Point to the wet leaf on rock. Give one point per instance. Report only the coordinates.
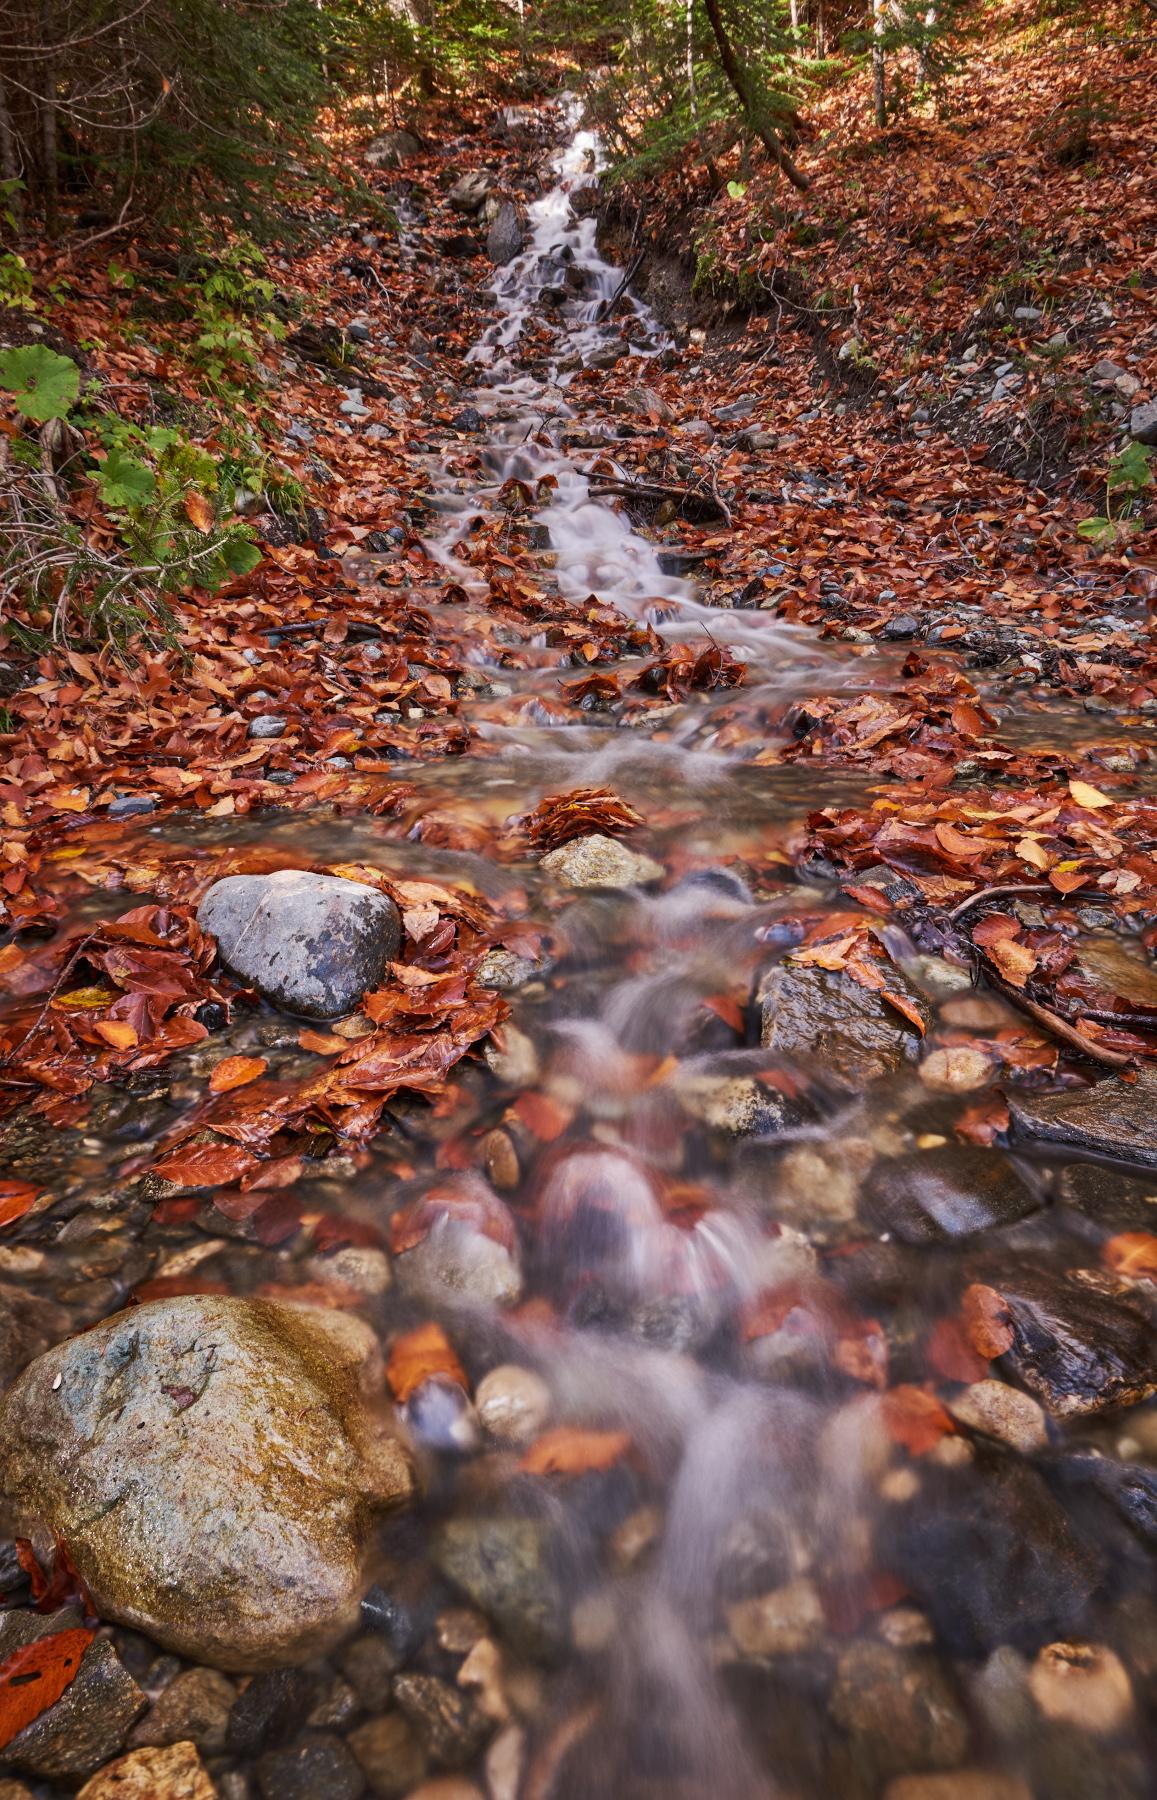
(34, 1677)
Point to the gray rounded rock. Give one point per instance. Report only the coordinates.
(214, 1466)
(313, 944)
(504, 239)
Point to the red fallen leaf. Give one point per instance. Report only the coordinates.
(729, 1010)
(994, 929)
(952, 1355)
(904, 1005)
(849, 1602)
(986, 1320)
(1132, 1253)
(116, 1032)
(560, 817)
(1066, 881)
(60, 1586)
(957, 844)
(569, 1451)
(1014, 960)
(325, 1043)
(34, 1677)
(465, 1198)
(236, 1071)
(545, 1117)
(422, 1355)
(174, 1287)
(915, 1419)
(981, 1122)
(967, 720)
(206, 1165)
(332, 1232)
(17, 1198)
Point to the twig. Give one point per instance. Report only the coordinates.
(653, 490)
(1044, 1015)
(1003, 893)
(632, 270)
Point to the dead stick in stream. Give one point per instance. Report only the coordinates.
(629, 274)
(653, 490)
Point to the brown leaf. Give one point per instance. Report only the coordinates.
(986, 1320)
(236, 1071)
(419, 1356)
(17, 1198)
(206, 1165)
(915, 1419)
(1132, 1253)
(567, 1450)
(199, 511)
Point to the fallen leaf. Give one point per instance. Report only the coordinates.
(567, 1450)
(1132, 1253)
(34, 1677)
(419, 1356)
(117, 1032)
(17, 1198)
(1089, 797)
(915, 1419)
(236, 1071)
(986, 1320)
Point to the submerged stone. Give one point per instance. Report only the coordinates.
(827, 1017)
(214, 1466)
(1078, 1350)
(1112, 1118)
(312, 944)
(503, 1565)
(596, 861)
(954, 1192)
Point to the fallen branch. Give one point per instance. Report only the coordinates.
(1044, 1015)
(711, 505)
(1011, 891)
(631, 271)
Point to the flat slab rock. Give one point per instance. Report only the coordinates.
(826, 1016)
(312, 944)
(1079, 1351)
(90, 1721)
(1113, 1118)
(214, 1466)
(944, 1195)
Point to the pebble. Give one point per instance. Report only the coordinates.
(267, 725)
(389, 1755)
(899, 1708)
(317, 1764)
(786, 1622)
(956, 1070)
(513, 1404)
(1084, 1685)
(596, 861)
(1002, 1412)
(195, 1706)
(172, 1772)
(449, 1725)
(129, 806)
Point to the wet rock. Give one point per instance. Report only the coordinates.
(469, 419)
(513, 1404)
(504, 239)
(267, 1711)
(502, 1564)
(456, 1258)
(504, 970)
(786, 1622)
(847, 1029)
(389, 1755)
(900, 1710)
(29, 1325)
(369, 1664)
(963, 1784)
(990, 1555)
(1079, 1351)
(451, 1728)
(213, 1465)
(469, 193)
(596, 861)
(1113, 1118)
(1002, 1412)
(196, 1706)
(738, 1105)
(312, 944)
(174, 1772)
(1085, 1685)
(317, 1764)
(131, 806)
(392, 149)
(1107, 1200)
(1110, 1495)
(92, 1718)
(946, 1194)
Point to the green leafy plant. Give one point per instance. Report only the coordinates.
(43, 384)
(16, 283)
(1128, 479)
(234, 306)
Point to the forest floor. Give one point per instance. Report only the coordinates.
(772, 604)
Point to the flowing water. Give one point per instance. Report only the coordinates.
(776, 1589)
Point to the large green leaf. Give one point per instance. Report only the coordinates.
(43, 384)
(125, 482)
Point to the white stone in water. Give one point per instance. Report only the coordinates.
(785, 1622)
(1002, 1412)
(1083, 1685)
(513, 1403)
(958, 1069)
(456, 1258)
(597, 861)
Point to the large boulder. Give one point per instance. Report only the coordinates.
(213, 1466)
(504, 239)
(826, 1016)
(28, 1325)
(312, 944)
(392, 149)
(468, 195)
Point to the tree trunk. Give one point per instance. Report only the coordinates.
(753, 113)
(878, 95)
(691, 94)
(48, 150)
(821, 30)
(9, 163)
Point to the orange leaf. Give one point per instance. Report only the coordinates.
(34, 1677)
(199, 511)
(915, 1419)
(1132, 1253)
(956, 844)
(906, 1006)
(570, 1451)
(952, 1355)
(117, 1032)
(1066, 881)
(546, 1118)
(236, 1071)
(419, 1356)
(1015, 960)
(325, 1043)
(986, 1320)
(17, 1198)
(1090, 798)
(206, 1165)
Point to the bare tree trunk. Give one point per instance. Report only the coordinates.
(923, 60)
(48, 144)
(9, 162)
(755, 114)
(821, 29)
(878, 95)
(691, 94)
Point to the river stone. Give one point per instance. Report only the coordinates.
(825, 1015)
(268, 1711)
(469, 193)
(990, 1555)
(311, 944)
(1079, 1351)
(449, 1724)
(956, 1191)
(596, 861)
(194, 1707)
(29, 1325)
(504, 239)
(318, 1764)
(175, 1772)
(391, 1758)
(1143, 423)
(1112, 1118)
(392, 149)
(899, 1708)
(213, 1466)
(502, 1564)
(961, 1784)
(90, 1721)
(1106, 1201)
